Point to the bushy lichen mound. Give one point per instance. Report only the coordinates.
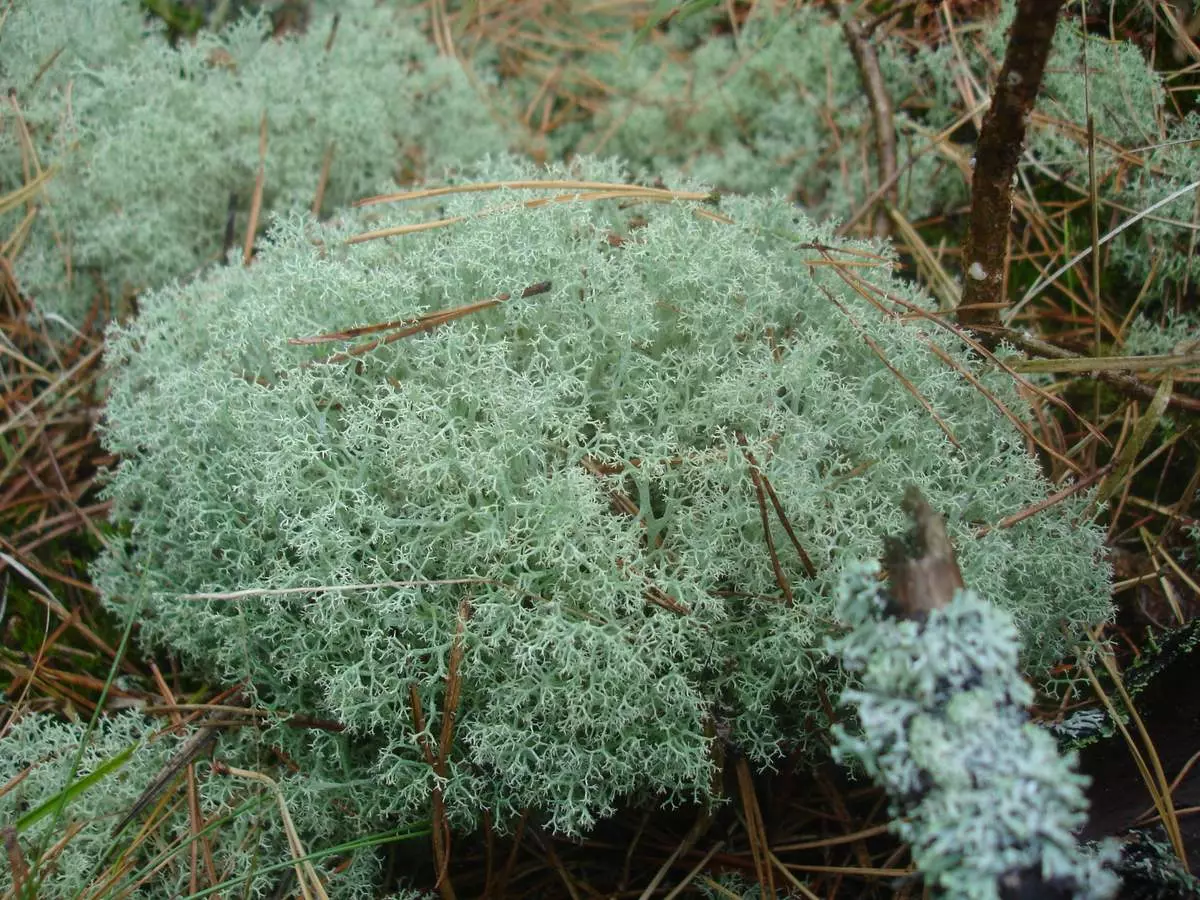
(569, 462)
(155, 149)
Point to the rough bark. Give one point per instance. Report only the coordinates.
(1001, 139)
(923, 571)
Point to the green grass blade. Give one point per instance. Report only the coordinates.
(60, 800)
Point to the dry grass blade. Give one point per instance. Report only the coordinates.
(306, 874)
(26, 192)
(795, 882)
(719, 889)
(693, 874)
(865, 871)
(1084, 364)
(453, 686)
(865, 290)
(763, 483)
(780, 578)
(1042, 283)
(613, 192)
(662, 872)
(191, 749)
(854, 836)
(1181, 574)
(941, 284)
(17, 867)
(603, 187)
(439, 825)
(756, 830)
(260, 183)
(1155, 781)
(937, 141)
(908, 385)
(805, 560)
(409, 327)
(71, 376)
(1127, 384)
(1155, 550)
(1149, 815)
(200, 843)
(46, 861)
(1058, 497)
(400, 230)
(866, 58)
(403, 328)
(323, 179)
(1122, 465)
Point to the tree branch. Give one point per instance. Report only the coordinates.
(1001, 138)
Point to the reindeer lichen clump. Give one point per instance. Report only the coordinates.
(152, 152)
(544, 438)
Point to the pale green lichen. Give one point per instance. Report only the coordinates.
(248, 463)
(151, 143)
(247, 844)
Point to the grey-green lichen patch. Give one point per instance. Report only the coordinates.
(980, 793)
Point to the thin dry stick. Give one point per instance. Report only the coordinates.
(306, 873)
(882, 116)
(1000, 140)
(260, 181)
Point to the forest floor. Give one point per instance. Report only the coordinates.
(60, 645)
